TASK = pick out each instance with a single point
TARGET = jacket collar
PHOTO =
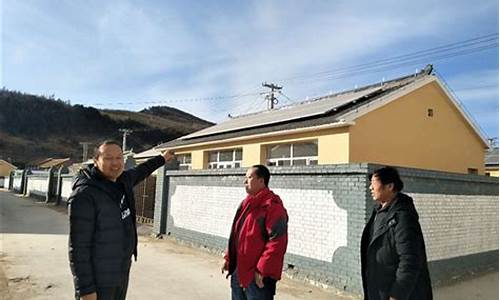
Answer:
(263, 198)
(401, 202)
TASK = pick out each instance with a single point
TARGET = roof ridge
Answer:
(423, 72)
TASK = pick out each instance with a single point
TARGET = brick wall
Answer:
(37, 185)
(66, 190)
(328, 207)
(17, 183)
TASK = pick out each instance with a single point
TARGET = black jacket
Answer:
(98, 237)
(393, 261)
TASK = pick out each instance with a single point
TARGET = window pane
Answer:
(305, 149)
(236, 165)
(283, 162)
(184, 158)
(212, 157)
(271, 163)
(279, 151)
(313, 162)
(226, 155)
(238, 153)
(299, 162)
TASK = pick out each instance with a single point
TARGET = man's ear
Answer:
(390, 186)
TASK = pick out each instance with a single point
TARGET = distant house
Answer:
(491, 162)
(48, 163)
(412, 121)
(6, 168)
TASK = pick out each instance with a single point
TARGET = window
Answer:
(472, 171)
(184, 161)
(225, 159)
(430, 112)
(294, 154)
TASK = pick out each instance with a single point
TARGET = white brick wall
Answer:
(457, 225)
(317, 226)
(17, 183)
(37, 185)
(206, 209)
(66, 188)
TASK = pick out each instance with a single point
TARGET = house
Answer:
(48, 163)
(6, 168)
(491, 162)
(412, 121)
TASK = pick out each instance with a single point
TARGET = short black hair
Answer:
(262, 172)
(388, 175)
(105, 142)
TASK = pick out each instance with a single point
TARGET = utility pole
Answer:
(125, 133)
(272, 100)
(85, 150)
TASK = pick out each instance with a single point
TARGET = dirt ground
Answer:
(34, 264)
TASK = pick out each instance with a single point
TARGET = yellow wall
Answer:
(401, 133)
(5, 169)
(332, 147)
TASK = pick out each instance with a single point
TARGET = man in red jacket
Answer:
(258, 240)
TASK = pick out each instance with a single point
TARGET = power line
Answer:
(416, 58)
(395, 64)
(272, 100)
(486, 39)
(177, 100)
(477, 87)
(286, 97)
(251, 107)
(467, 112)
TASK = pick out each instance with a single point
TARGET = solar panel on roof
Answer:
(302, 110)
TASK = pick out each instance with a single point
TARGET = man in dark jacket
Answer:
(103, 233)
(258, 240)
(393, 258)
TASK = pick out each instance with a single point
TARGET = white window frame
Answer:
(310, 160)
(181, 158)
(225, 164)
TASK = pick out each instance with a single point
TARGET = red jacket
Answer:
(261, 221)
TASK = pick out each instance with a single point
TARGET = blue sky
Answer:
(129, 54)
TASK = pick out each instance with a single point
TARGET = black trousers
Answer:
(113, 293)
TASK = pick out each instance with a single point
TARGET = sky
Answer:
(210, 58)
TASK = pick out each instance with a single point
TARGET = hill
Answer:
(36, 127)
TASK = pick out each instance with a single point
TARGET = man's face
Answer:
(253, 184)
(110, 161)
(380, 192)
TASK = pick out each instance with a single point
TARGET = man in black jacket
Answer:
(393, 258)
(103, 233)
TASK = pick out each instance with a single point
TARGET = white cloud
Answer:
(122, 51)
